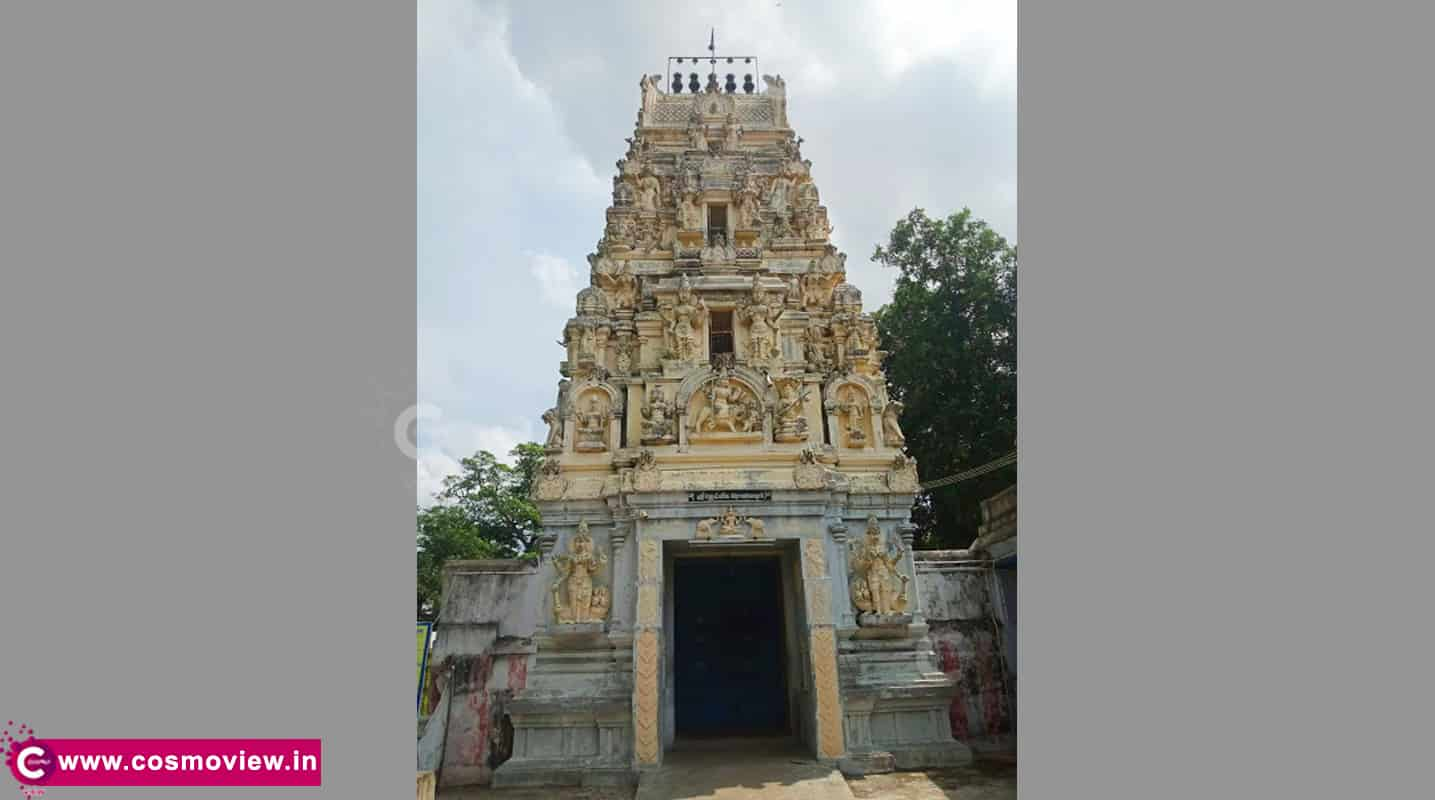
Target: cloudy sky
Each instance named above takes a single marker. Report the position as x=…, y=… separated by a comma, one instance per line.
x=522, y=112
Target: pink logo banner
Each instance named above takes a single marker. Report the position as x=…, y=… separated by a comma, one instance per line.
x=166, y=762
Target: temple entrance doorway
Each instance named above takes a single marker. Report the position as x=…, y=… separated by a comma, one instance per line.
x=729, y=647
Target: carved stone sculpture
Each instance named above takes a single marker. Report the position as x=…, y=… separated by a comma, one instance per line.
x=808, y=474
x=593, y=426
x=902, y=475
x=731, y=135
x=658, y=419
x=729, y=408
x=852, y=406
x=648, y=192
x=690, y=213
x=646, y=477
x=877, y=587
x=575, y=599
x=891, y=431
x=791, y=421
x=761, y=317
x=550, y=484
x=684, y=318
x=718, y=251
x=554, y=441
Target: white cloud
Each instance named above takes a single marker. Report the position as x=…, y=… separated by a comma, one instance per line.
x=559, y=280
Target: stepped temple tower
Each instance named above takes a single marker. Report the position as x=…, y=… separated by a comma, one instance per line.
x=726, y=546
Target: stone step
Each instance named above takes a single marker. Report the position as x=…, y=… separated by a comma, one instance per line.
x=742, y=769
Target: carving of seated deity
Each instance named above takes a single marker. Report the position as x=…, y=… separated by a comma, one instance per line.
x=791, y=423
x=593, y=427
x=727, y=410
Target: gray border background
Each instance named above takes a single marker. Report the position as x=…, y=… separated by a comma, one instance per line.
x=1224, y=399
x=208, y=326
x=207, y=318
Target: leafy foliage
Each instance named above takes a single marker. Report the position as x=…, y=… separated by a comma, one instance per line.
x=950, y=331
x=483, y=512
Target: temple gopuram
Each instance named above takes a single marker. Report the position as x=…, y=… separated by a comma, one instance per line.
x=726, y=547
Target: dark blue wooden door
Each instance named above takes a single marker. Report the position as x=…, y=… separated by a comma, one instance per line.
x=728, y=646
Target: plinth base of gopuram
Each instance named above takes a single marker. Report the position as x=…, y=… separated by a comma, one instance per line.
x=572, y=726
x=895, y=700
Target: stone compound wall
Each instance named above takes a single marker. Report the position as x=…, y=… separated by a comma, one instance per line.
x=483, y=645
x=966, y=631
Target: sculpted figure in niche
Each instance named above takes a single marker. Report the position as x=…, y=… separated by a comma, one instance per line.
x=719, y=251
x=697, y=137
x=575, y=599
x=555, y=430
x=817, y=349
x=620, y=286
x=593, y=426
x=658, y=419
x=727, y=410
x=624, y=358
x=852, y=405
x=649, y=190
x=791, y=422
x=731, y=134
x=749, y=211
x=877, y=586
x=816, y=291
x=891, y=431
x=778, y=191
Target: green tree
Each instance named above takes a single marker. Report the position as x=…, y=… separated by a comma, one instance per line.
x=482, y=512
x=950, y=331
x=445, y=533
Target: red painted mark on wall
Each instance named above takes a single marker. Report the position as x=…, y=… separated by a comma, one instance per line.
x=993, y=707
x=517, y=672
x=476, y=753
x=957, y=713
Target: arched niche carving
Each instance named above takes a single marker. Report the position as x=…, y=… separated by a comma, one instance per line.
x=854, y=406
x=595, y=408
x=725, y=406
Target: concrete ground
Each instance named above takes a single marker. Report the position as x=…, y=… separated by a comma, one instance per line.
x=773, y=769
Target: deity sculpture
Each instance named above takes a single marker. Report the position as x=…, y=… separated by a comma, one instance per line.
x=817, y=349
x=575, y=599
x=649, y=190
x=791, y=422
x=816, y=290
x=593, y=426
x=731, y=134
x=684, y=317
x=624, y=358
x=727, y=410
x=718, y=251
x=555, y=430
x=762, y=320
x=853, y=407
x=877, y=587
x=697, y=137
x=658, y=419
x=649, y=87
x=891, y=431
